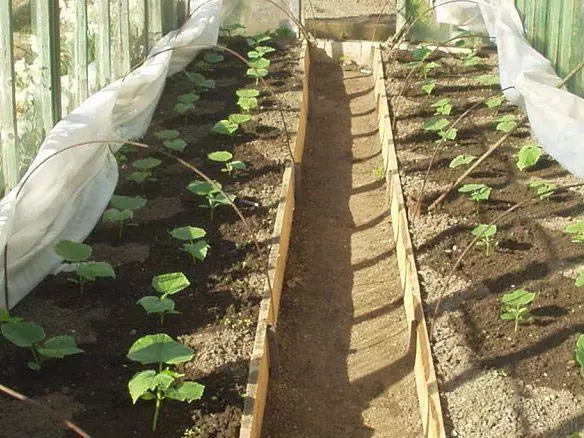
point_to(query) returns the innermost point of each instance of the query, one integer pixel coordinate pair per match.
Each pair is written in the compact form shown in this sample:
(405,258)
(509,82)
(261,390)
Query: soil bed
(219,310)
(493,382)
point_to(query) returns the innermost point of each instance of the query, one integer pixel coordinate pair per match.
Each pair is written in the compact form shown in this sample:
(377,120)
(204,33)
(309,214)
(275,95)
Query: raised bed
(229,300)
(491,380)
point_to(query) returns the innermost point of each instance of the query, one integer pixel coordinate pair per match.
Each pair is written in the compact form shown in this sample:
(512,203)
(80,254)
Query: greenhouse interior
(292,218)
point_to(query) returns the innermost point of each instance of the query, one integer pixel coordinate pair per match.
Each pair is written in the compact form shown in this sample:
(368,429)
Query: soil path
(342,368)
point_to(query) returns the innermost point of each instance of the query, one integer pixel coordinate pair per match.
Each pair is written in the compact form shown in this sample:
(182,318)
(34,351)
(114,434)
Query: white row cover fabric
(64,196)
(556,115)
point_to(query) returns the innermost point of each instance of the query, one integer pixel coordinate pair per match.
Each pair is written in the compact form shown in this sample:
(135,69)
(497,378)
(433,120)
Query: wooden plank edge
(426,382)
(258,375)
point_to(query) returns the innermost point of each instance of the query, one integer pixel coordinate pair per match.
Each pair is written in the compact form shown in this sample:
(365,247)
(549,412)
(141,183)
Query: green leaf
(182,108)
(579,279)
(435,124)
(137,177)
(59,347)
(237,165)
(220,156)
(256,72)
(115,216)
(528,156)
(239,118)
(159,348)
(247,103)
(152,304)
(225,127)
(170,284)
(507,316)
(428,86)
(127,202)
(72,251)
(6,318)
(484,230)
(146,163)
(197,250)
(92,270)
(178,144)
(430,66)
(517,298)
(449,134)
(420,53)
(213,58)
(199,81)
(189,98)
(186,391)
(477,192)
(167,134)
(23,334)
(203,188)
(487,80)
(495,101)
(141,383)
(461,160)
(543,189)
(506,123)
(188,233)
(247,92)
(575,228)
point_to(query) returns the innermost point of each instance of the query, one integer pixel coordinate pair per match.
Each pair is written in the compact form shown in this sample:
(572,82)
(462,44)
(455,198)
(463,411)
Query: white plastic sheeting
(556,115)
(65,197)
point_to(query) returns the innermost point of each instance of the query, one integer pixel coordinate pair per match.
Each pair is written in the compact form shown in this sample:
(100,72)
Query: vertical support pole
(102,44)
(154,21)
(46,25)
(124,29)
(8,128)
(80,51)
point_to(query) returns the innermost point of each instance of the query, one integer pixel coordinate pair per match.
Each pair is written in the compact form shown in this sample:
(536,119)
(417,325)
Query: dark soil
(530,254)
(219,310)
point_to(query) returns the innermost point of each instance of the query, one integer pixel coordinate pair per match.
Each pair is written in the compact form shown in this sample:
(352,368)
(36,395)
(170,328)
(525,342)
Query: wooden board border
(426,383)
(259,365)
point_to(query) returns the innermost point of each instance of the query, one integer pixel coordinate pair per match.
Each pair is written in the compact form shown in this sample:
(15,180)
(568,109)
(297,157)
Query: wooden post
(8,129)
(154,21)
(102,44)
(79,71)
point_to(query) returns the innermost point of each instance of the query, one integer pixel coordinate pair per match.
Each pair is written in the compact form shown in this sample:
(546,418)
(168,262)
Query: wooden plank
(102,44)
(8,128)
(565,49)
(79,67)
(258,376)
(154,22)
(124,29)
(540,35)
(426,382)
(46,25)
(554,24)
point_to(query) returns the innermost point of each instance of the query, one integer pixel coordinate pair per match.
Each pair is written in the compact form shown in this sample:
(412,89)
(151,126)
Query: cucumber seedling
(486,234)
(186,102)
(144,172)
(506,123)
(258,69)
(442,107)
(171,139)
(30,335)
(476,192)
(471,59)
(163,383)
(194,244)
(247,99)
(514,307)
(461,160)
(543,189)
(528,156)
(428,86)
(78,254)
(212,194)
(226,158)
(579,353)
(230,125)
(200,82)
(122,209)
(165,285)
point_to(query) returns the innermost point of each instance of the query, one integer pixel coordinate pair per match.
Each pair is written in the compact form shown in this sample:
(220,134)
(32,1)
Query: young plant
(212,194)
(258,69)
(428,86)
(442,107)
(200,82)
(514,307)
(461,160)
(171,139)
(165,285)
(186,102)
(476,192)
(528,156)
(495,101)
(122,211)
(247,99)
(579,353)
(486,236)
(144,172)
(29,335)
(78,254)
(256,40)
(427,67)
(260,52)
(229,30)
(230,125)
(543,189)
(163,384)
(506,123)
(471,60)
(577,231)
(486,80)
(225,158)
(194,244)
